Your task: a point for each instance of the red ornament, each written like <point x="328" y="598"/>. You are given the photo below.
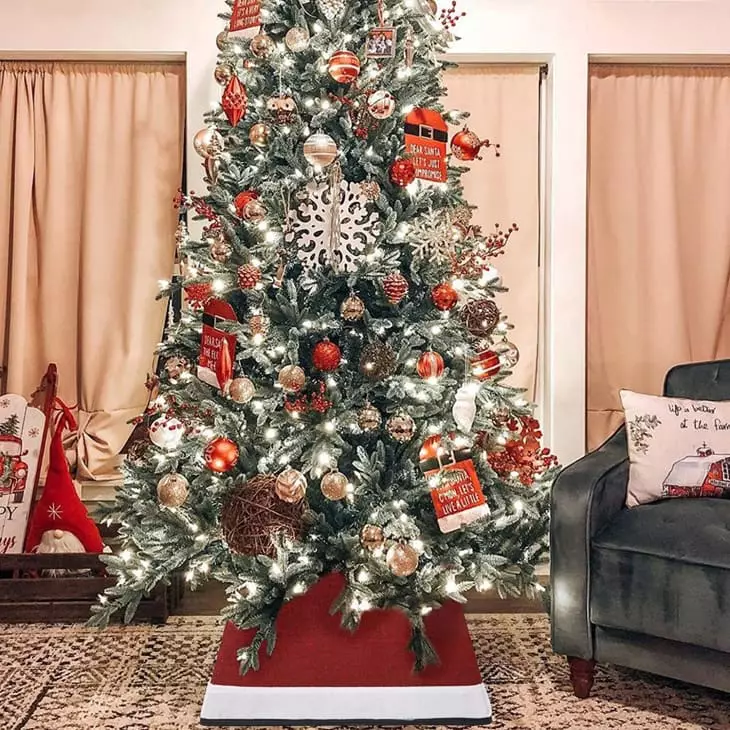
<point x="224" y="365"/>
<point x="485" y="365"/>
<point x="248" y="276"/>
<point x="235" y="101"/>
<point x="402" y="172"/>
<point x="344" y="67"/>
<point x="444" y="296"/>
<point x="395" y="286"/>
<point x="198" y="295"/>
<point x="318" y="401"/>
<point x="242" y="200"/>
<point x="466" y="145"/>
<point x="326" y="356"/>
<point x="221" y="455"/>
<point x="430" y="365"/>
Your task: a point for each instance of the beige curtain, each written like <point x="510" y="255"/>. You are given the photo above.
<point x="90" y="159"/>
<point x="504" y="103"/>
<point x="659" y="229"/>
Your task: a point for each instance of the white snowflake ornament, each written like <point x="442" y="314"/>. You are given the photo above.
<point x="311" y="227"/>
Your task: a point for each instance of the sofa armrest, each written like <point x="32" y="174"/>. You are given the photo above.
<point x="586" y="496"/>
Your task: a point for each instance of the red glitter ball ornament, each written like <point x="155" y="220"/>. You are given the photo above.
<point x="242" y="200"/>
<point x="395" y="286"/>
<point x="326" y="356"/>
<point x="402" y="172"/>
<point x="235" y="101"/>
<point x="444" y="296"/>
<point x="430" y="365"/>
<point x="221" y="455"/>
<point x="466" y="145"/>
<point x="198" y="295"/>
<point x="248" y="276"/>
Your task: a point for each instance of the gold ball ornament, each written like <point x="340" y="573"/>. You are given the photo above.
<point x="402" y="559"/>
<point x="369" y="418"/>
<point x="334" y="486"/>
<point x="297" y="39"/>
<point x="292" y="378"/>
<point x="401" y="427"/>
<point x="262" y="45"/>
<point x="320" y="149"/>
<point x="222" y="40"/>
<point x="291" y="486"/>
<point x="352" y="309"/>
<point x="372" y="537"/>
<point x="260" y="135"/>
<point x="241" y="390"/>
<point x="172" y="490"/>
<point x="223" y="73"/>
<point x="208" y="143"/>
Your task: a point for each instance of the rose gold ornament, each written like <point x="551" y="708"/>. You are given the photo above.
<point x="172" y="490"/>
<point x="254" y="211"/>
<point x="208" y="143"/>
<point x="223" y="73"/>
<point x="291" y="486"/>
<point x="369" y="418"/>
<point x="259" y="324"/>
<point x="334" y="486"/>
<point x="320" y="149"/>
<point x="402" y="559"/>
<point x="222" y="40"/>
<point x="292" y="378"/>
<point x="401" y="427"/>
<point x="260" y="135"/>
<point x="297" y="39"/>
<point x="370" y="190"/>
<point x="352" y="309"/>
<point x="509" y="354"/>
<point x="377" y="361"/>
<point x="372" y="537"/>
<point x="262" y="45"/>
<point x="220" y="250"/>
<point x="241" y="390"/>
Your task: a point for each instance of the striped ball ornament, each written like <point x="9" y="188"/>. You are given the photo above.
<point x="430" y="365"/>
<point x="344" y="67"/>
<point x="485" y="365"/>
<point x="320" y="149"/>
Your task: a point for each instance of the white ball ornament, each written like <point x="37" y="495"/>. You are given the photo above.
<point x="320" y="149"/>
<point x="167" y="433"/>
<point x="381" y="104"/>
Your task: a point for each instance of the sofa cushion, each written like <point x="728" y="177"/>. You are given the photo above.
<point x="663" y="569"/>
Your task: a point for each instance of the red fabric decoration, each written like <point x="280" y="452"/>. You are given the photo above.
<point x="326" y="356"/>
<point x="60" y="507"/>
<point x="234" y="101"/>
<point x="444" y="296"/>
<point x="430" y="365"/>
<point x="402" y="172"/>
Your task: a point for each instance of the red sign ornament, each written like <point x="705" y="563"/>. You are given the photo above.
<point x="212" y="347"/>
<point x="426" y="138"/>
<point x="244" y="15"/>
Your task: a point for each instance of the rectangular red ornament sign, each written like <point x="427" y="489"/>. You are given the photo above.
<point x="245" y="14"/>
<point x="213" y="341"/>
<point x="426" y="137"/>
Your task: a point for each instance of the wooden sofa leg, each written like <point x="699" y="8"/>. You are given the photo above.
<point x="582" y="673"/>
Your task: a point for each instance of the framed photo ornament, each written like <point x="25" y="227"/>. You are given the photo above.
<point x="381" y="43"/>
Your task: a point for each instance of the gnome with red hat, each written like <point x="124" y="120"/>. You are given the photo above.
<point x="60" y="522"/>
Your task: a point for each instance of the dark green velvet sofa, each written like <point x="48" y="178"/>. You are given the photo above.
<point x="649" y="587"/>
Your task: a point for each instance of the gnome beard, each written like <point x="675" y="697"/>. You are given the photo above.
<point x="60" y="541"/>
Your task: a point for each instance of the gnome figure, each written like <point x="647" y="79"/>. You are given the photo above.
<point x="60" y="522"/>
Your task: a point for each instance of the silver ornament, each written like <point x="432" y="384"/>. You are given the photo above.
<point x="330" y="9"/>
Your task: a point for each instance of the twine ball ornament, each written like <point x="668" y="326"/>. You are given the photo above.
<point x="401" y="427"/>
<point x="402" y="172"/>
<point x="480" y="316"/>
<point x="221" y="455"/>
<point x="509" y="353"/>
<point x="370" y="190"/>
<point x="172" y="490"/>
<point x="292" y="378"/>
<point x="320" y="149"/>
<point x="381" y="104"/>
<point x="372" y="537"/>
<point x="344" y="67"/>
<point x="352" y="309"/>
<point x="208" y="143"/>
<point x="395" y="286"/>
<point x="253" y="515"/>
<point x="430" y="365"/>
<point x="241" y="390"/>
<point x="248" y="276"/>
<point x="369" y="418"/>
<point x="326" y="356"/>
<point x="260" y="135"/>
<point x="259" y="324"/>
<point x="220" y="249"/>
<point x="291" y="486"/>
<point x="297" y="39"/>
<point x="262" y="45"/>
<point x="334" y="486"/>
<point x="444" y="297"/>
<point x="377" y="361"/>
<point x="175" y="366"/>
<point x="402" y="559"/>
<point x="223" y="73"/>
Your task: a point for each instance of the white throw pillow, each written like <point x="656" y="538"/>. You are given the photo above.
<point x="677" y="447"/>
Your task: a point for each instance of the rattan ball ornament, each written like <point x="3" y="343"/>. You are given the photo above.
<point x="262" y="45"/>
<point x="402" y="559"/>
<point x="377" y="361"/>
<point x="372" y="537"/>
<point x="395" y="286"/>
<point x="292" y="378"/>
<point x="326" y="356"/>
<point x="480" y="316"/>
<point x="248" y="276"/>
<point x="242" y="390"/>
<point x="430" y="365"/>
<point x="352" y="309"/>
<point x="320" y="149"/>
<point x="334" y="486"/>
<point x="444" y="297"/>
<point x="401" y="427"/>
<point x="381" y="104"/>
<point x="208" y="143"/>
<point x="297" y="39"/>
<point x="291" y="486"/>
<point x="253" y="515"/>
<point x="344" y="67"/>
<point x="369" y="418"/>
<point x="172" y="490"/>
<point x="221" y="455"/>
<point x="260" y="135"/>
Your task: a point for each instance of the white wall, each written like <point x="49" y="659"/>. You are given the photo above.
<point x="563" y="32"/>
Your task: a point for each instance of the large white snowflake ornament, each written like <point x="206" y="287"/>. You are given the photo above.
<point x="432" y="237"/>
<point x="311" y="227"/>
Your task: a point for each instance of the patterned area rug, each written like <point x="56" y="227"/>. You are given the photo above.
<point x="142" y="677"/>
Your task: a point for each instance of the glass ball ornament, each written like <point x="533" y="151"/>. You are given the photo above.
<point x="369" y="418"/>
<point x="372" y="537"/>
<point x="326" y="356"/>
<point x="291" y="486"/>
<point x="430" y="365"/>
<point x="485" y="364"/>
<point x="334" y="486"/>
<point x="444" y="297"/>
<point x="241" y="390"/>
<point x="221" y="455"/>
<point x="352" y="309"/>
<point x="223" y="73"/>
<point x="262" y="45"/>
<point x="260" y="135"/>
<point x="343" y="67"/>
<point x="508" y="353"/>
<point x="320" y="149"/>
<point x="297" y="39"/>
<point x="173" y="490"/>
<point x="401" y="427"/>
<point x="222" y="40"/>
<point x="292" y="378"/>
<point x="402" y="559"/>
<point x="208" y="143"/>
<point x="466" y="146"/>
<point x="381" y="104"/>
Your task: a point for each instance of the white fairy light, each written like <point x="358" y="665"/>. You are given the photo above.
<point x="270" y="434"/>
<point x="298" y="588"/>
<point x="163" y="284"/>
<point x="329" y="426"/>
<point x="425" y="610"/>
<point x="518" y="505"/>
<point x="363" y="576"/>
<point x="126" y="555"/>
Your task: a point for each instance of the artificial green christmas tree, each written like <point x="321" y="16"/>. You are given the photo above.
<point x="335" y="396"/>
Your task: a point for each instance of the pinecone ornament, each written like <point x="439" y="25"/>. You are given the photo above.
<point x="248" y="276"/>
<point x="395" y="286"/>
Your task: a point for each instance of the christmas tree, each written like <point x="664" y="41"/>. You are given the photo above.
<point x="334" y="396"/>
<point x="10" y="426"/>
